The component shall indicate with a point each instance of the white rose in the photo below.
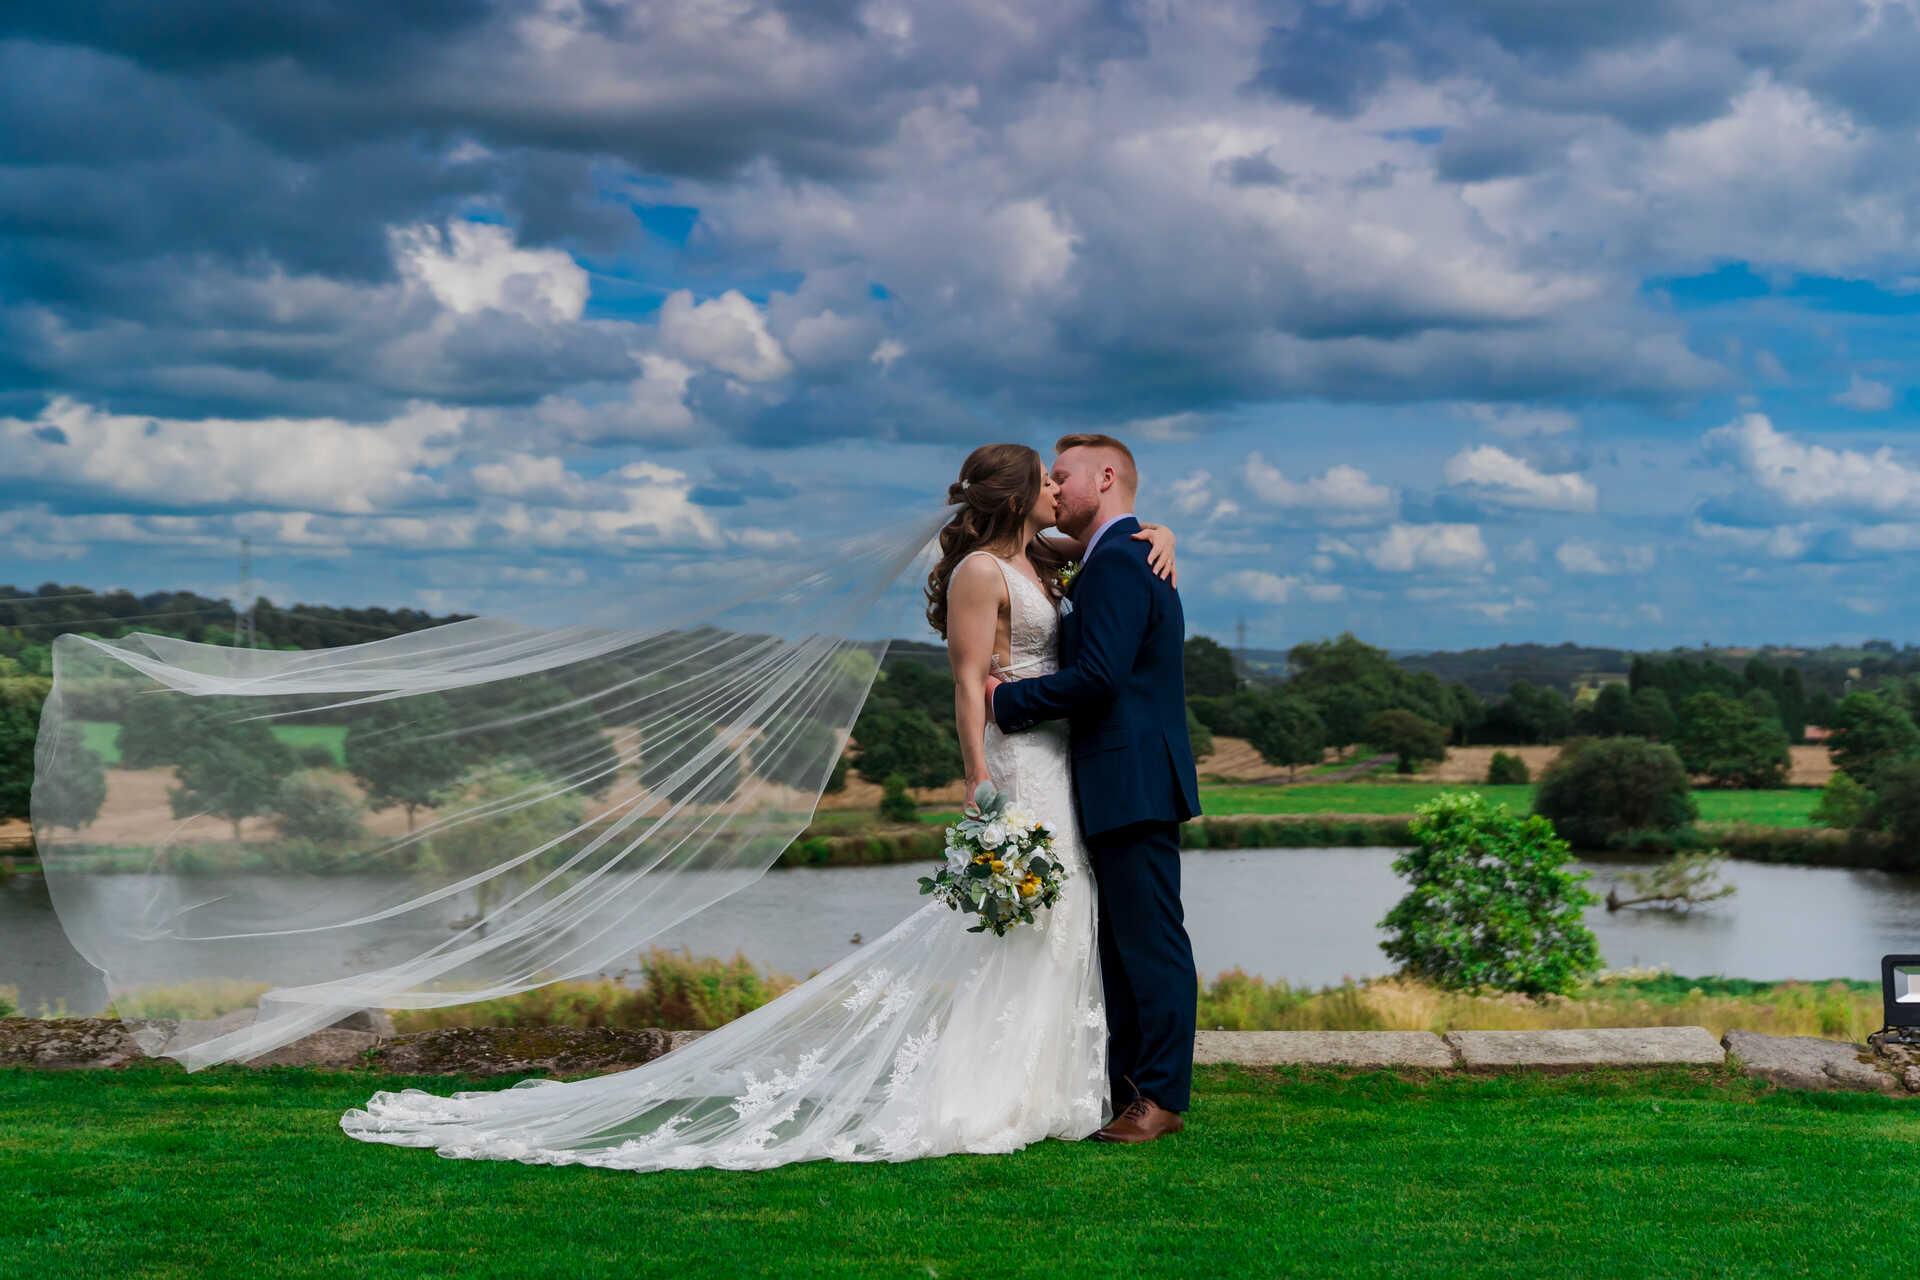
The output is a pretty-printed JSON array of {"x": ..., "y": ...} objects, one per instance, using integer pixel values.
[{"x": 994, "y": 835}]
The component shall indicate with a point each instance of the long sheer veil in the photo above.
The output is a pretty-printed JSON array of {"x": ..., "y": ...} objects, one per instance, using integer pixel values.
[{"x": 520, "y": 804}]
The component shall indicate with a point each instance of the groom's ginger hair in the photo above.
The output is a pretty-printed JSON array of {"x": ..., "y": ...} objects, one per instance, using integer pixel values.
[{"x": 1123, "y": 469}]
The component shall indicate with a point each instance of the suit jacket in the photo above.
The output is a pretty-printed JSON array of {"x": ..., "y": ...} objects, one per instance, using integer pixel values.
[{"x": 1121, "y": 688}]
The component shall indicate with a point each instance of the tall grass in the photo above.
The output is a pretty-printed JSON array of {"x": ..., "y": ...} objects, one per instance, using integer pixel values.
[
  {"x": 207, "y": 998},
  {"x": 676, "y": 990},
  {"x": 9, "y": 1001},
  {"x": 1831, "y": 1010}
]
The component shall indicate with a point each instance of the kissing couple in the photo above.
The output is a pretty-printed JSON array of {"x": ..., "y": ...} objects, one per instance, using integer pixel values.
[{"x": 1065, "y": 633}]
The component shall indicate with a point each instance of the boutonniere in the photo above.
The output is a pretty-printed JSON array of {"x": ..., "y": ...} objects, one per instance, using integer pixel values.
[{"x": 1068, "y": 572}]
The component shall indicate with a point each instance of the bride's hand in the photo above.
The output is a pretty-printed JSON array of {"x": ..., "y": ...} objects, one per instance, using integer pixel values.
[{"x": 1160, "y": 552}]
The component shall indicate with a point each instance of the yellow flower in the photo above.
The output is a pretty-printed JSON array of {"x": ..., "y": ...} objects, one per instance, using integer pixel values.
[
  {"x": 1029, "y": 886},
  {"x": 996, "y": 866}
]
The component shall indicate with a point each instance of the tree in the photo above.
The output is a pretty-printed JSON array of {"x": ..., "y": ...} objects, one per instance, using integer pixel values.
[
  {"x": 231, "y": 768},
  {"x": 404, "y": 752},
  {"x": 1528, "y": 714},
  {"x": 1199, "y": 737},
  {"x": 149, "y": 731},
  {"x": 1793, "y": 704},
  {"x": 309, "y": 807},
  {"x": 1843, "y": 803},
  {"x": 906, "y": 742},
  {"x": 1652, "y": 716},
  {"x": 1684, "y": 880},
  {"x": 1414, "y": 740},
  {"x": 1896, "y": 810},
  {"x": 1287, "y": 730},
  {"x": 689, "y": 761},
  {"x": 1612, "y": 711},
  {"x": 1343, "y": 715},
  {"x": 1210, "y": 670},
  {"x": 1871, "y": 733},
  {"x": 71, "y": 790},
  {"x": 1600, "y": 788},
  {"x": 1726, "y": 741},
  {"x": 19, "y": 719},
  {"x": 1493, "y": 902},
  {"x": 796, "y": 751}
]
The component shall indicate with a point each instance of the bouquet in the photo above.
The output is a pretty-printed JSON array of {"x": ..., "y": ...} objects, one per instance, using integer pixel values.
[{"x": 1000, "y": 864}]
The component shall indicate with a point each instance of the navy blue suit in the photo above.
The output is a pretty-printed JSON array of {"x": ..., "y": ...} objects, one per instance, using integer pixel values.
[{"x": 1121, "y": 688}]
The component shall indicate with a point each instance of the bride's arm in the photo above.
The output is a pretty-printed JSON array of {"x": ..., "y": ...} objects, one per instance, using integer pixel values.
[
  {"x": 973, "y": 613},
  {"x": 1159, "y": 555}
]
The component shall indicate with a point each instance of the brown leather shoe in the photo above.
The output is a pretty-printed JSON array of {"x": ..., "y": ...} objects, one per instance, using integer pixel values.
[{"x": 1143, "y": 1121}]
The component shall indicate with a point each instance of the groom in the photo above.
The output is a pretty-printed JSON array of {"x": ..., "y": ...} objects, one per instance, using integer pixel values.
[{"x": 1122, "y": 690}]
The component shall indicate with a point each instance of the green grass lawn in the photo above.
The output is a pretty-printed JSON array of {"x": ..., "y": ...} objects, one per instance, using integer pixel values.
[
  {"x": 1786, "y": 808},
  {"x": 102, "y": 737},
  {"x": 229, "y": 1173}
]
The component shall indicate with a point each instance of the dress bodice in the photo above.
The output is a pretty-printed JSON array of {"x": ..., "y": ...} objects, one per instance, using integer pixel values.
[{"x": 1033, "y": 625}]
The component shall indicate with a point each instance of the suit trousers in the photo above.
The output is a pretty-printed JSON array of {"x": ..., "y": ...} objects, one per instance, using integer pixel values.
[{"x": 1146, "y": 964}]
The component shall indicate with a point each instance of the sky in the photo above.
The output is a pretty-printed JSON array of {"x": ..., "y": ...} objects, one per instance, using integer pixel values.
[{"x": 1449, "y": 323}]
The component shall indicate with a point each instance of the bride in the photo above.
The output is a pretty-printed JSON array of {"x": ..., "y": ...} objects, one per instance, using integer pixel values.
[{"x": 931, "y": 1040}]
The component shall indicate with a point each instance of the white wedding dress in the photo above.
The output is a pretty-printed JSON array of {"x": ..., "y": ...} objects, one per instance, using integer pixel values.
[{"x": 929, "y": 1041}]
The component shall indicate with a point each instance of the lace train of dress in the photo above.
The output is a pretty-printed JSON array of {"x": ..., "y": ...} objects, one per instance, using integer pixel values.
[{"x": 929, "y": 1041}]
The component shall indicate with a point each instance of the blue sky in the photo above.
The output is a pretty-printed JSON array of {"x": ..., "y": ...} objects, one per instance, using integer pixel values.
[{"x": 1448, "y": 323}]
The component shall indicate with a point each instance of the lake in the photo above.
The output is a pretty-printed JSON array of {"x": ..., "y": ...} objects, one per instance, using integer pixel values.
[{"x": 1306, "y": 915}]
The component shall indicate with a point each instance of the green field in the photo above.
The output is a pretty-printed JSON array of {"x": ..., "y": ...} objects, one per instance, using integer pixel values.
[
  {"x": 1786, "y": 808},
  {"x": 231, "y": 1173},
  {"x": 103, "y": 738}
]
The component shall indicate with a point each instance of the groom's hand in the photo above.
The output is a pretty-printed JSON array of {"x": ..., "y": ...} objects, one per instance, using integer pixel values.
[{"x": 992, "y": 684}]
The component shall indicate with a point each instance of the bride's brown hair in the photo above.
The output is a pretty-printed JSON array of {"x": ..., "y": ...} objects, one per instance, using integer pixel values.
[{"x": 998, "y": 485}]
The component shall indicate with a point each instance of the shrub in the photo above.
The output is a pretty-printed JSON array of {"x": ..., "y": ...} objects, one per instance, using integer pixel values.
[
  {"x": 1598, "y": 788},
  {"x": 1199, "y": 737},
  {"x": 310, "y": 808},
  {"x": 1493, "y": 903},
  {"x": 896, "y": 805},
  {"x": 1843, "y": 802},
  {"x": 9, "y": 1002},
  {"x": 1508, "y": 771}
]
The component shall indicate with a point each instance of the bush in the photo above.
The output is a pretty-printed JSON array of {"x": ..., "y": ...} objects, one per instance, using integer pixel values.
[
  {"x": 1599, "y": 788},
  {"x": 310, "y": 808},
  {"x": 1843, "y": 802},
  {"x": 1493, "y": 902},
  {"x": 1508, "y": 771},
  {"x": 896, "y": 805},
  {"x": 9, "y": 1002}
]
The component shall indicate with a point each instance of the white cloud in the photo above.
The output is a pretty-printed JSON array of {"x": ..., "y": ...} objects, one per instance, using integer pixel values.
[
  {"x": 1504, "y": 480},
  {"x": 1444, "y": 547},
  {"x": 318, "y": 464},
  {"x": 1341, "y": 489},
  {"x": 1803, "y": 475},
  {"x": 1524, "y": 552},
  {"x": 1781, "y": 542},
  {"x": 1865, "y": 396},
  {"x": 475, "y": 266},
  {"x": 727, "y": 333},
  {"x": 1578, "y": 556},
  {"x": 886, "y": 353},
  {"x": 1261, "y": 587}
]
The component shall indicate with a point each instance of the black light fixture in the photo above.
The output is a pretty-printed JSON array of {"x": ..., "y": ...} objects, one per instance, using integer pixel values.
[{"x": 1900, "y": 989}]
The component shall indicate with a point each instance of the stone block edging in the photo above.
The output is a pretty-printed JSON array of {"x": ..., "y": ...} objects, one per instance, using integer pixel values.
[{"x": 1798, "y": 1062}]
